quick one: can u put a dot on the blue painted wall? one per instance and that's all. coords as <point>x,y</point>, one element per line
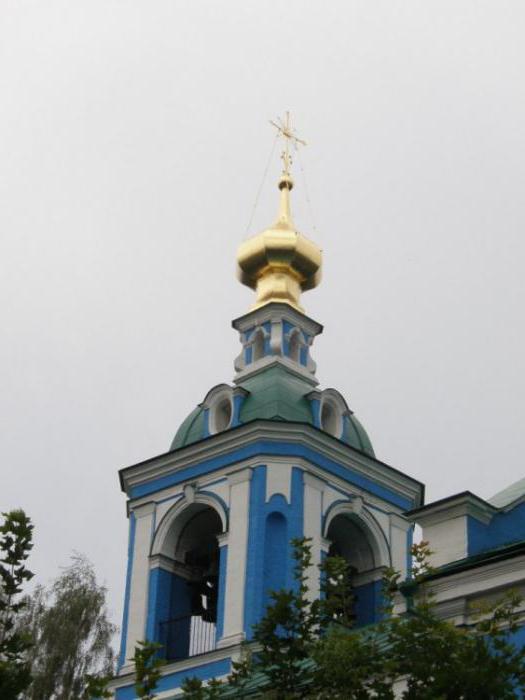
<point>223,563</point>
<point>273,541</point>
<point>368,601</point>
<point>504,528</point>
<point>275,554</point>
<point>172,681</point>
<point>273,448</point>
<point>168,598</point>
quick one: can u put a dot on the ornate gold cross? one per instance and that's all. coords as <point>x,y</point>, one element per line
<point>287,133</point>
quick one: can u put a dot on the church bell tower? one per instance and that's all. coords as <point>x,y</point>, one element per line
<point>258,462</point>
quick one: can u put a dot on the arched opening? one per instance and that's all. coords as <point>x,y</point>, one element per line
<point>331,418</point>
<point>258,345</point>
<point>294,348</point>
<point>190,628</point>
<point>221,415</point>
<point>351,540</point>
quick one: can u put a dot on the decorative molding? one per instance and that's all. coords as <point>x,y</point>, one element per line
<point>127,672</point>
<point>325,544</point>
<point>144,509</point>
<point>356,505</point>
<point>232,640</point>
<point>271,360</point>
<point>314,482</point>
<point>300,433</point>
<point>222,539</point>
<point>365,577</point>
<point>462,504</point>
<point>239,476</point>
<point>275,311</point>
<point>161,561</point>
<point>169,528</point>
<point>400,522</point>
<point>377,538</point>
<point>189,492</point>
<point>479,580</point>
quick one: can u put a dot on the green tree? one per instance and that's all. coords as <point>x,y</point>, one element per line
<point>96,687</point>
<point>289,628</point>
<point>441,660</point>
<point>16,535</point>
<point>147,668</point>
<point>72,634</point>
<point>309,650</point>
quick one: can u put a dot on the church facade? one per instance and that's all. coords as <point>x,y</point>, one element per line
<point>271,457</point>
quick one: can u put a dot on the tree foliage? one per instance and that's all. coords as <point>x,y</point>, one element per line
<point>72,635</point>
<point>308,649</point>
<point>147,668</point>
<point>16,534</point>
<point>441,660</point>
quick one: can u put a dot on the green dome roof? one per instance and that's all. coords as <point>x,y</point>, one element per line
<point>273,394</point>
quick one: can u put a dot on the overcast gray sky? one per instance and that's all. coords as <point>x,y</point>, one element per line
<point>133,138</point>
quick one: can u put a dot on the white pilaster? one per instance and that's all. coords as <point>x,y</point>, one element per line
<point>239,483</point>
<point>138,598</point>
<point>313,504</point>
<point>399,528</point>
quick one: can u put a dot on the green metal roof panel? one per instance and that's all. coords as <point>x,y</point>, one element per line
<point>508,495</point>
<point>191,430</point>
<point>363,441</point>
<point>276,394</point>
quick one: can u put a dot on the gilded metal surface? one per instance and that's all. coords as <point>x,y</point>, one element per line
<point>280,262</point>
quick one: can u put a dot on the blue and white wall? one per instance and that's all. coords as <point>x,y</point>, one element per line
<point>285,490</point>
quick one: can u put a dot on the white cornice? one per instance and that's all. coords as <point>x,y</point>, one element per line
<point>239,476</point>
<point>223,443</point>
<point>274,360</point>
<point>277,312</point>
<point>127,676</point>
<point>143,509</point>
<point>482,579</point>
<point>461,505</point>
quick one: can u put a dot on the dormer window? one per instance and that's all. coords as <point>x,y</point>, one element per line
<point>331,418</point>
<point>332,410</point>
<point>221,413</point>
<point>219,406</point>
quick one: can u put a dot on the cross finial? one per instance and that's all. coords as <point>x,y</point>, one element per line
<point>287,133</point>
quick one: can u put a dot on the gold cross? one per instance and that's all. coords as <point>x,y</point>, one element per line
<point>287,133</point>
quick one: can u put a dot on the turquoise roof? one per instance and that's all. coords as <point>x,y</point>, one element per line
<point>508,495</point>
<point>273,394</point>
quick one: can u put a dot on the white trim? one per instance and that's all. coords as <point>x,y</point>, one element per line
<point>360,579</point>
<point>269,360</point>
<point>143,509</point>
<point>369,524</point>
<point>278,480</point>
<point>462,505</point>
<point>126,674</point>
<point>223,443</point>
<point>214,400</point>
<point>313,507</point>
<point>170,527</point>
<point>237,556</point>
<point>139,586</point>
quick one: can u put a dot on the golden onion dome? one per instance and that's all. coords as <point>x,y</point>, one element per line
<point>280,262</point>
